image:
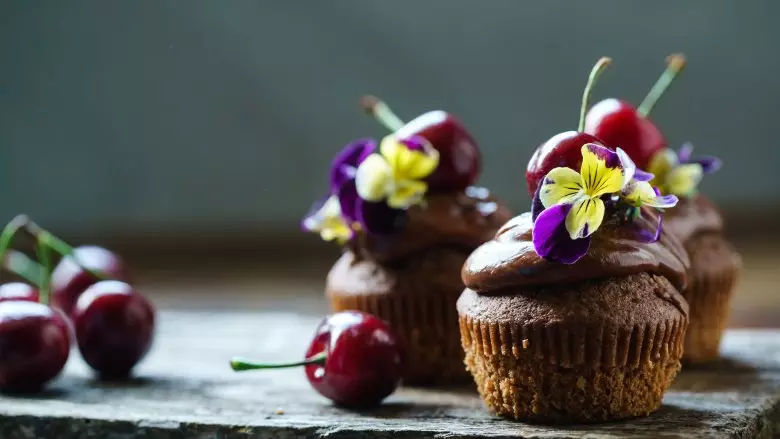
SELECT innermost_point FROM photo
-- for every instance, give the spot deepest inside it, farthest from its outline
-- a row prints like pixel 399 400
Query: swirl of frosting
pixel 692 216
pixel 462 219
pixel 617 249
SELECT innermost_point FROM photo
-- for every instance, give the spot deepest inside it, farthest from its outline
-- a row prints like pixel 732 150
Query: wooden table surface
pixel 185 389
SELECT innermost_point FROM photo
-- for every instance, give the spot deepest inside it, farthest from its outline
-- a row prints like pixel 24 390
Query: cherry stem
pixel 381 112
pixel 44 255
pixel 675 64
pixel 241 364
pixel 599 67
pixel 20 264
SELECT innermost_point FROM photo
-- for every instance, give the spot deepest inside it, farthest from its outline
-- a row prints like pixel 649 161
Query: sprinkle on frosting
pixel 576 203
pixel 677 173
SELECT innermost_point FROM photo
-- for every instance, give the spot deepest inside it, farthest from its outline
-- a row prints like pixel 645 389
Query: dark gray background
pixel 137 116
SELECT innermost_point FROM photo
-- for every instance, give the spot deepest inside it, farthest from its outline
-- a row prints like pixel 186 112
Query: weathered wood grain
pixel 185 389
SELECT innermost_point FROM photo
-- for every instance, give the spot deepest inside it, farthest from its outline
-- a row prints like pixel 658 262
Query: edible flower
pixel 396 172
pixel 576 203
pixel 678 173
pixel 326 219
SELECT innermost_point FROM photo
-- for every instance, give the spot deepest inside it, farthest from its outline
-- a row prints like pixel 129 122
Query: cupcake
pixel 715 265
pixel 573 312
pixel 407 223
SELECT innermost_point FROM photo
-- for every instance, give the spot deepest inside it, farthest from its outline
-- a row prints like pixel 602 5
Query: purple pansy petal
pixel 536 204
pixel 685 153
pixel 640 175
pixel 415 143
pixel 649 236
pixel 629 167
pixel 665 201
pixel 602 152
pixel 312 217
pixel 709 164
pixel 551 239
pixel 344 165
pixel 348 198
pixel 379 218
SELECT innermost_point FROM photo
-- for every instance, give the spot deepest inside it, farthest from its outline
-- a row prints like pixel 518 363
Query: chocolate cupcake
pixel 573 313
pixel 405 246
pixel 715 265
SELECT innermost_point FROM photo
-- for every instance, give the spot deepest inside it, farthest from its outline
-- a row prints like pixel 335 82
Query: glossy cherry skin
pixel 18 291
pixel 562 150
pixel 69 280
pixel 618 124
pixel 114 327
pixel 460 160
pixel 364 362
pixel 34 345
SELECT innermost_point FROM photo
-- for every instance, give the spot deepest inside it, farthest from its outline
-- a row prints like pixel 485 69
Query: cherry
pixel 70 278
pixel 564 149
pixel 354 360
pixel 18 291
pixel 618 124
pixel 114 327
pixel 460 160
pixel 34 345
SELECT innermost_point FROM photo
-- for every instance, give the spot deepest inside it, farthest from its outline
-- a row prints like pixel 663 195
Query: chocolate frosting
pixel 463 219
pixel 616 249
pixel 692 216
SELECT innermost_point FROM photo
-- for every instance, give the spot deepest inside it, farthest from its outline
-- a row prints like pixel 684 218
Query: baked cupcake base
pixel 417 298
pixel 715 268
pixel 588 352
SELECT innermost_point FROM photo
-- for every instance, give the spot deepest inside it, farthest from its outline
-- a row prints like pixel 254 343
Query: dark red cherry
pixel 619 125
pixel 34 345
pixel 460 160
pixel 18 291
pixel 69 279
pixel 562 150
pixel 355 360
pixel 114 327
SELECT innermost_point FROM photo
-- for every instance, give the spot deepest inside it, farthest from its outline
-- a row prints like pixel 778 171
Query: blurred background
pixel 192 136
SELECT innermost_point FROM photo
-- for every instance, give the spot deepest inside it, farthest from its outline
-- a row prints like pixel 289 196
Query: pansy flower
pixel 326 219
pixel 678 173
pixel 575 203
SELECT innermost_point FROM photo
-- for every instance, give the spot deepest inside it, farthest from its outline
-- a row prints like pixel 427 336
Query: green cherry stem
pixel 381 112
pixel 59 246
pixel 598 68
pixel 675 64
pixel 20 264
pixel 44 255
pixel 239 364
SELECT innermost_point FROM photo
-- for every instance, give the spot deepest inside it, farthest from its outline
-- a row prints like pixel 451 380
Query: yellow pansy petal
pixel 406 194
pixel 560 186
pixel 374 178
pixel 585 217
pixel 683 179
pixel 638 192
pixel 601 171
pixel 661 163
pixel 409 164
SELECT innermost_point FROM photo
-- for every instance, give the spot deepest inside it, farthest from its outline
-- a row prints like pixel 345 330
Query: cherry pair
pixel 612 123
pixel 355 360
pixel 113 323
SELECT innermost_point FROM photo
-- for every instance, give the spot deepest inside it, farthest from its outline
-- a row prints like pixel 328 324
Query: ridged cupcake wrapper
pixel 427 325
pixel 709 298
pixel 565 373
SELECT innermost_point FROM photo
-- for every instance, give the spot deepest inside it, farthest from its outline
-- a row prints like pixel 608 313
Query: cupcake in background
pixel 407 215
pixel 715 265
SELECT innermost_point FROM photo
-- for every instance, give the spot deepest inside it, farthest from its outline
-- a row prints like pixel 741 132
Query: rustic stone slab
pixel 185 389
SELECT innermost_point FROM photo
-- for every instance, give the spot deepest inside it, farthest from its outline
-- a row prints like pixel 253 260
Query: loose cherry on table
pixel 618 124
pixel 70 278
pixel 354 360
pixel 564 149
pixel 35 344
pixel 460 160
pixel 114 327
